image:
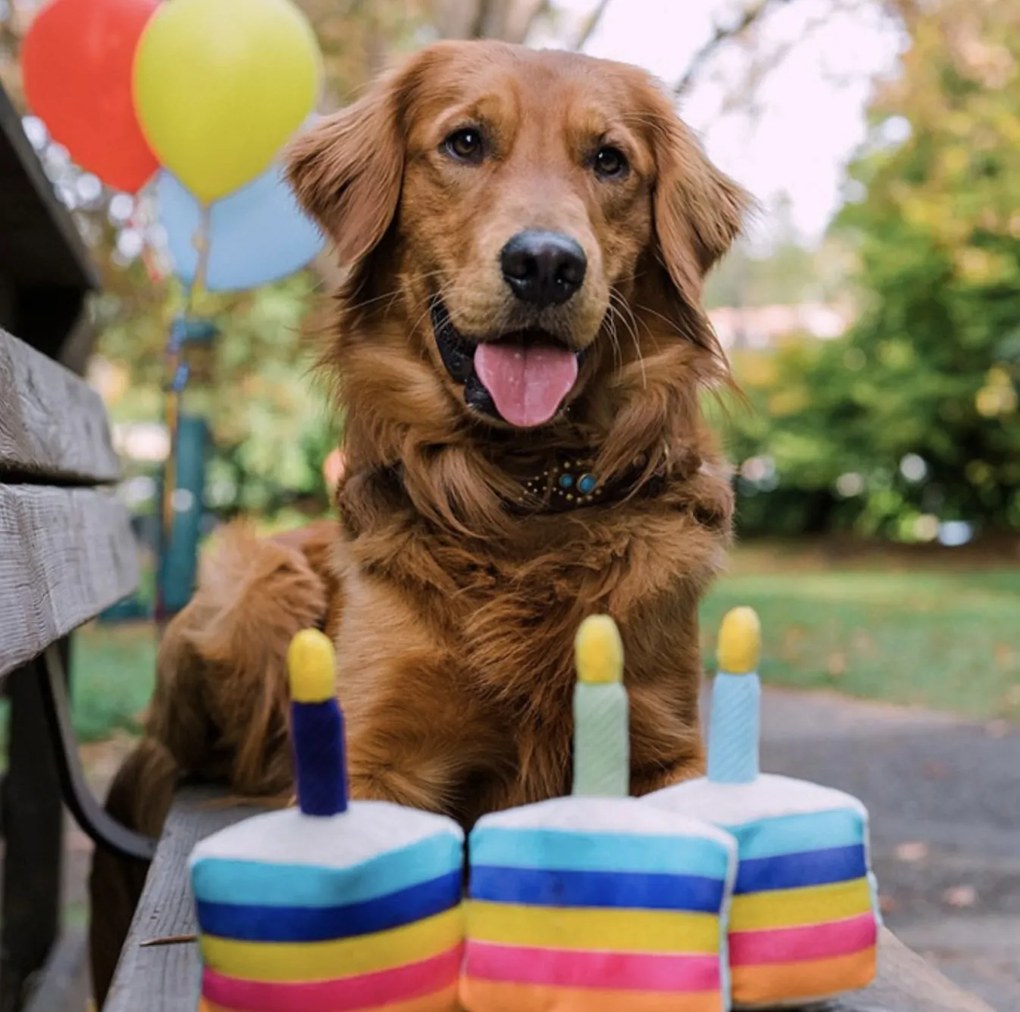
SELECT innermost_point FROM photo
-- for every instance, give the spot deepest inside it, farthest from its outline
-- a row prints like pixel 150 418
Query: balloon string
pixel 172 413
pixel 202 243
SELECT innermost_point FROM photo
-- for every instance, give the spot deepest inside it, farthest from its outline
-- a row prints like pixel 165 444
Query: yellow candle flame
pixel 311 666
pixel 739 642
pixel 598 651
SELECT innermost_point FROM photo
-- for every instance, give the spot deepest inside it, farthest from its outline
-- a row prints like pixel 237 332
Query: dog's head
pixel 540 222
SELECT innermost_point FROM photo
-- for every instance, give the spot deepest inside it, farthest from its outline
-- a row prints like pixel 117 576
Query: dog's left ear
pixel 698 210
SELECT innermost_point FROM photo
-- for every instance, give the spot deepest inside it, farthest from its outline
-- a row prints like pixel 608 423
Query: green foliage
pixel 913 414
pixel 269 418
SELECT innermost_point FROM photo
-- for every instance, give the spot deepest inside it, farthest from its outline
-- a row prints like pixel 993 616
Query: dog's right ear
pixel 347 169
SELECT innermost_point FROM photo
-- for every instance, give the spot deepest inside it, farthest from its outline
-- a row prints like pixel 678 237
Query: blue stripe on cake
pixel 247 923
pixel 560 888
pixel 792 834
pixel 580 851
pixel 262 883
pixel 811 868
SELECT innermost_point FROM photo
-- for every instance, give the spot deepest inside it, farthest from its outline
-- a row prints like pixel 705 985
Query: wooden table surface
pixel 165 977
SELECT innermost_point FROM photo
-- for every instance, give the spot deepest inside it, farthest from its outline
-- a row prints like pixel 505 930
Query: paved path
pixel 944 797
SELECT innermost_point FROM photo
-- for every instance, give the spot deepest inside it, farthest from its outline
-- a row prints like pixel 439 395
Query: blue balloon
pixel 256 235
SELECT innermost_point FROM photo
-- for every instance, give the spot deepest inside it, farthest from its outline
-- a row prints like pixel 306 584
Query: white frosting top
pixel 604 815
pixel 366 829
pixel 767 797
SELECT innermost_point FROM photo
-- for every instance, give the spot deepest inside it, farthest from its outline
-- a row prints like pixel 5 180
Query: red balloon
pixel 76 60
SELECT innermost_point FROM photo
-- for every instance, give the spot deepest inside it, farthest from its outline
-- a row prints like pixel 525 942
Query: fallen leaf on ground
pixel 913 850
pixel 960 896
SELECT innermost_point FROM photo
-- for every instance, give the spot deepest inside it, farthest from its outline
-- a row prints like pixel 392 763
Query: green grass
pixel 944 638
pixel 869 625
pixel 113 669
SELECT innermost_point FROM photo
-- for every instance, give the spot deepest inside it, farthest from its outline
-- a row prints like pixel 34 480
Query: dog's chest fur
pixel 476 640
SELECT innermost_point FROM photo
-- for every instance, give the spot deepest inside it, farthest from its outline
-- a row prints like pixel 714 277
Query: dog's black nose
pixel 543 268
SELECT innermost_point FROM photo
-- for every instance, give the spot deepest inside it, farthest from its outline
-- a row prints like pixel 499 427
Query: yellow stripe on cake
pixel 593 928
pixel 291 962
pixel 790 908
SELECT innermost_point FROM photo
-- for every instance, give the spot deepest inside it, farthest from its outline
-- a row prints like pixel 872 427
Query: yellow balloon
pixel 220 85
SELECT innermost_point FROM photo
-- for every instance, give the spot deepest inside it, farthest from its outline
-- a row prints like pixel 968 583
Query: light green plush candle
pixel 601 720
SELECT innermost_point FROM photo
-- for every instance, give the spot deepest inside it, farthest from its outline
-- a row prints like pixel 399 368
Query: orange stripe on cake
pixel 506 996
pixel 773 982
pixel 616 971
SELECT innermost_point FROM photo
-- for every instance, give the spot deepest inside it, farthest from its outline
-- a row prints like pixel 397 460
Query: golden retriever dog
pixel 519 351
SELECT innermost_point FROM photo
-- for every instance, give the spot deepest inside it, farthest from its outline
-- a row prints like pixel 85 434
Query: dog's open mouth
pixel 522 377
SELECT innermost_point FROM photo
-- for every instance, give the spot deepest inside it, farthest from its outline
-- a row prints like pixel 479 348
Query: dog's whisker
pixel 626 314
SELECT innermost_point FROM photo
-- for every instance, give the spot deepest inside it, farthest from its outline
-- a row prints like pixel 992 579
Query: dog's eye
pixel 610 162
pixel 465 145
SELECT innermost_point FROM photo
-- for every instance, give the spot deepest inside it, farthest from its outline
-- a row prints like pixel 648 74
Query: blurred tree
pixel 912 418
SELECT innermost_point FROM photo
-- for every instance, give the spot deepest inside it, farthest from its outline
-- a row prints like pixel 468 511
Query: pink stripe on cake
pixel 623 971
pixel 814 941
pixel 345 993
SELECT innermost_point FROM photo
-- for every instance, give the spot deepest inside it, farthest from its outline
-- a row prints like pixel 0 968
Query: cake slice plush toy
pixel 597 902
pixel 333 906
pixel 804 919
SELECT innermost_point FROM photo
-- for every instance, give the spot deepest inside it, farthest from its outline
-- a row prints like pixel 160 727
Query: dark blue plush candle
pixel 317 726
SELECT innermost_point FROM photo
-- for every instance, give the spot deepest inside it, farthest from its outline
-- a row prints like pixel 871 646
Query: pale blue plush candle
pixel 734 729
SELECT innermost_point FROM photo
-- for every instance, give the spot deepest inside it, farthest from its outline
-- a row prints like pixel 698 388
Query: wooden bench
pixel 66 553
pixel 160 969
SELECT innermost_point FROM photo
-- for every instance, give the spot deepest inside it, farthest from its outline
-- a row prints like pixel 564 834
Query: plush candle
pixel 317 725
pixel 601 731
pixel 736 701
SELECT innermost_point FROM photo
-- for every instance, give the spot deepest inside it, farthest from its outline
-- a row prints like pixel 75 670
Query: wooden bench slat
pixel 65 555
pixel 52 424
pixel 167 977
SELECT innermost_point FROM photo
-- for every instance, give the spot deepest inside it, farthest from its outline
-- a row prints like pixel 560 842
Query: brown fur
pixel 454 617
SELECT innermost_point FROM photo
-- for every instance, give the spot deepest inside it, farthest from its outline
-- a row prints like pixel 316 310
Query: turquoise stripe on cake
pixel 790 834
pixel 579 851
pixel 223 880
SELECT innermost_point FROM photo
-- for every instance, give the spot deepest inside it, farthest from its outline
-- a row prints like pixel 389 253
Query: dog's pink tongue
pixel 527 381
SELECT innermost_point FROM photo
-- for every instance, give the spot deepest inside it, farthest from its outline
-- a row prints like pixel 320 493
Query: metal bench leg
pixel 33 838
pixel 104 830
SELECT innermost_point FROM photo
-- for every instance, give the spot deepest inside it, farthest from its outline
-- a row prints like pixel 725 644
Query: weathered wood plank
pixel 52 425
pixel 65 555
pixel 165 978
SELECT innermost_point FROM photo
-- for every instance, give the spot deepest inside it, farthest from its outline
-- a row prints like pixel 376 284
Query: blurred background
pixel 872 316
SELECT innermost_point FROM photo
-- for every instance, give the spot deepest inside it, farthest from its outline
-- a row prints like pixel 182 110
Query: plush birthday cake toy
pixel 597 902
pixel 804 919
pixel 333 906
